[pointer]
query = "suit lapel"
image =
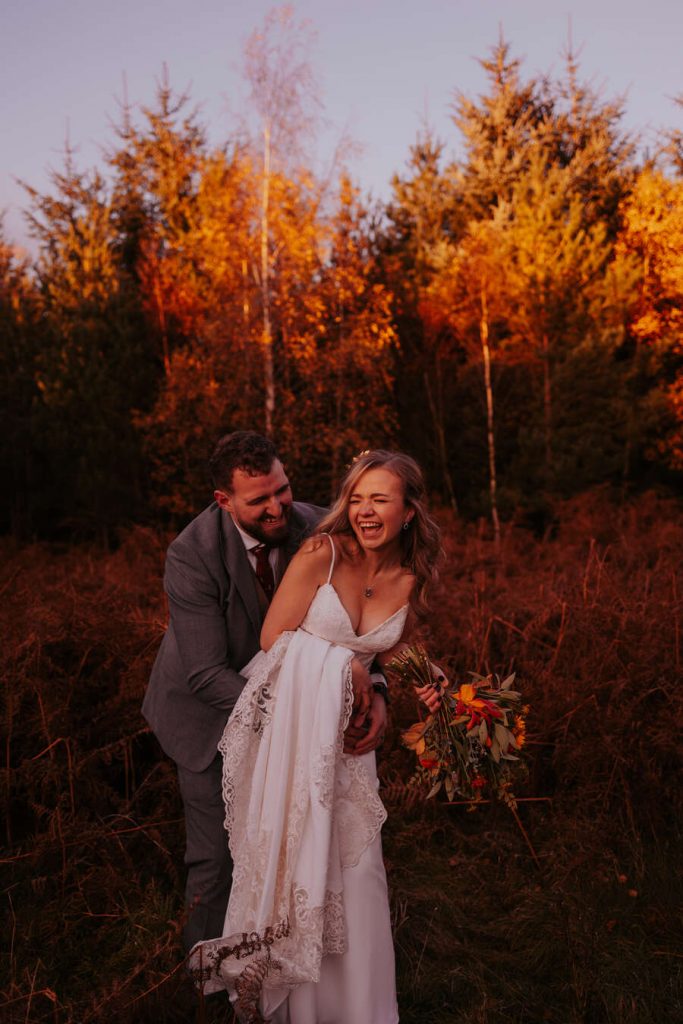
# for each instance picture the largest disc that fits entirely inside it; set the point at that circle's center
(297, 531)
(239, 570)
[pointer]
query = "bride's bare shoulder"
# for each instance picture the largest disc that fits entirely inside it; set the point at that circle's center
(316, 551)
(406, 581)
(320, 545)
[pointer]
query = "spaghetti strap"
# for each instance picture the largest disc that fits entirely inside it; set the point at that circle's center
(334, 551)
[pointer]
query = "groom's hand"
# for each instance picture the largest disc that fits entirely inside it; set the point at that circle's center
(362, 692)
(363, 739)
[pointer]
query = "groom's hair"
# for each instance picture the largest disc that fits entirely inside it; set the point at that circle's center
(243, 449)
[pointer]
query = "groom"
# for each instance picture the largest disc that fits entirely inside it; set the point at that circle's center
(221, 572)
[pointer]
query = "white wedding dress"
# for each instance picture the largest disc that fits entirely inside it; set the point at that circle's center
(307, 935)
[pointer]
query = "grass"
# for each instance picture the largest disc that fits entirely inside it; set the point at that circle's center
(590, 618)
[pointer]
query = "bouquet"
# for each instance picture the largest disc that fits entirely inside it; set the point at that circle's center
(470, 746)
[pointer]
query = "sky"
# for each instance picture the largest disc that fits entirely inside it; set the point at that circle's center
(385, 67)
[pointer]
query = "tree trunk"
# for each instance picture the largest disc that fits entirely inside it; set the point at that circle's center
(161, 316)
(436, 409)
(547, 404)
(267, 336)
(338, 385)
(491, 440)
(632, 419)
(633, 405)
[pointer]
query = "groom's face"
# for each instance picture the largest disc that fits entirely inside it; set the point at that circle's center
(261, 505)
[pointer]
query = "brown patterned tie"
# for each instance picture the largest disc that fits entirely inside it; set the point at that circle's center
(264, 570)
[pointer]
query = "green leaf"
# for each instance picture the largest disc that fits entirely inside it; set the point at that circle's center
(483, 733)
(507, 683)
(503, 736)
(434, 790)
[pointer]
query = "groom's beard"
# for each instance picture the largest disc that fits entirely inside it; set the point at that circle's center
(273, 536)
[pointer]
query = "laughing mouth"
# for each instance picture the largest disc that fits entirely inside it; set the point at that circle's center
(369, 527)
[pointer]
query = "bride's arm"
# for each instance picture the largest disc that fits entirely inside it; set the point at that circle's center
(429, 695)
(377, 718)
(305, 573)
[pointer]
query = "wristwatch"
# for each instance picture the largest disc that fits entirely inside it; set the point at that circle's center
(383, 690)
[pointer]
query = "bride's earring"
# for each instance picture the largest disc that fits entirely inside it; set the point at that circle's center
(406, 525)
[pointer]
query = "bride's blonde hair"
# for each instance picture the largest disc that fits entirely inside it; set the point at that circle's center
(421, 549)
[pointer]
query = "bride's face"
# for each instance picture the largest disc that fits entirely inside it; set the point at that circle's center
(377, 509)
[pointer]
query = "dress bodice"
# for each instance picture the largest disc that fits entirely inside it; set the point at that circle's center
(328, 618)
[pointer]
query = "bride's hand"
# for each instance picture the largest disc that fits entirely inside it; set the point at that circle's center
(432, 695)
(362, 691)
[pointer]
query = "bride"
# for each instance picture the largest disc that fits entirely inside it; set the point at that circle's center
(307, 934)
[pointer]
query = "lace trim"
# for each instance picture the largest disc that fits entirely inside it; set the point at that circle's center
(252, 713)
(347, 708)
(323, 773)
(261, 709)
(323, 929)
(358, 810)
(207, 958)
(334, 924)
(248, 989)
(294, 952)
(248, 983)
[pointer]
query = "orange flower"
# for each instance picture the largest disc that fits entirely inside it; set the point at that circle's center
(413, 738)
(466, 693)
(519, 731)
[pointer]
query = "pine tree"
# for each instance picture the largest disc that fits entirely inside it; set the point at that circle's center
(214, 380)
(341, 358)
(425, 221)
(92, 369)
(652, 236)
(157, 166)
(500, 131)
(586, 137)
(470, 294)
(547, 165)
(19, 394)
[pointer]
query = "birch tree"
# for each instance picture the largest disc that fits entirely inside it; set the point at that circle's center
(284, 97)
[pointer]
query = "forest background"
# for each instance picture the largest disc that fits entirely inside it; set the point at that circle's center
(514, 319)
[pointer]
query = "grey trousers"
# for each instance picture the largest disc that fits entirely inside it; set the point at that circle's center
(207, 857)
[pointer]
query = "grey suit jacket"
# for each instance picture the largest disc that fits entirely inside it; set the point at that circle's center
(214, 628)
